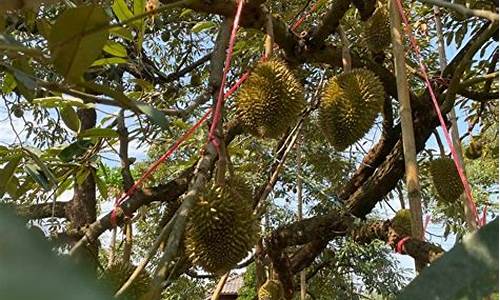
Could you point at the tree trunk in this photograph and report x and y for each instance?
(81, 211)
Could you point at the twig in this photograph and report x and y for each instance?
(464, 10)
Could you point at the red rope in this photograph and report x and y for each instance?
(461, 173)
(304, 17)
(400, 245)
(125, 196)
(217, 114)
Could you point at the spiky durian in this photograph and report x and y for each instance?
(349, 106)
(222, 228)
(474, 150)
(117, 274)
(271, 290)
(401, 222)
(446, 179)
(270, 100)
(378, 30)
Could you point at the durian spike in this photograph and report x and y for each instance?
(346, 54)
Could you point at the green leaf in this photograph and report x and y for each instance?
(202, 26)
(9, 83)
(185, 12)
(121, 10)
(77, 38)
(101, 186)
(23, 72)
(70, 118)
(44, 27)
(56, 101)
(122, 32)
(81, 175)
(7, 173)
(115, 49)
(45, 170)
(12, 188)
(139, 8)
(109, 61)
(38, 176)
(99, 132)
(155, 115)
(76, 149)
(468, 271)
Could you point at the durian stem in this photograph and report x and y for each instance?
(455, 135)
(269, 42)
(220, 286)
(346, 53)
(408, 135)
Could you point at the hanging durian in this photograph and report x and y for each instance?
(474, 150)
(349, 105)
(117, 274)
(271, 290)
(222, 228)
(270, 100)
(377, 30)
(401, 222)
(446, 179)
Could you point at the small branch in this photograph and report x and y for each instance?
(486, 14)
(42, 210)
(330, 22)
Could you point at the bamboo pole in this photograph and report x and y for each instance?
(408, 135)
(455, 135)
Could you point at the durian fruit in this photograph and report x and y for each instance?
(222, 228)
(401, 222)
(446, 179)
(474, 150)
(349, 106)
(377, 30)
(117, 274)
(271, 290)
(270, 100)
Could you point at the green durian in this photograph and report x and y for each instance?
(401, 222)
(474, 150)
(377, 30)
(271, 290)
(270, 100)
(446, 179)
(222, 228)
(117, 274)
(349, 105)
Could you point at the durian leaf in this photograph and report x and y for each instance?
(468, 271)
(202, 26)
(99, 132)
(76, 40)
(70, 118)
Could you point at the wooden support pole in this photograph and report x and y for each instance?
(408, 135)
(455, 135)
